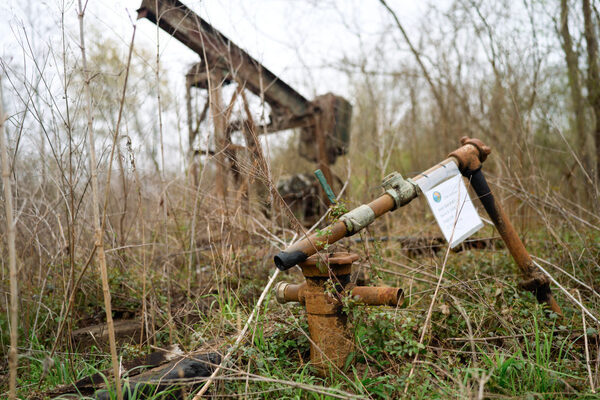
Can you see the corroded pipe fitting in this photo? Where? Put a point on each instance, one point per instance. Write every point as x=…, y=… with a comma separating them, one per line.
x=331, y=340
x=377, y=296
x=288, y=292
x=471, y=154
x=366, y=295
x=400, y=189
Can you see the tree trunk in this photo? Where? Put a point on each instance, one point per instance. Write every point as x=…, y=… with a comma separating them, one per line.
x=593, y=79
x=12, y=259
x=574, y=83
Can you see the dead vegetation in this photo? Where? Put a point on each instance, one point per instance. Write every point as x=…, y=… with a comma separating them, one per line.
x=106, y=207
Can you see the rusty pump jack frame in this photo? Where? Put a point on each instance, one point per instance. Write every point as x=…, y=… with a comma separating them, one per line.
x=324, y=121
x=331, y=340
x=399, y=192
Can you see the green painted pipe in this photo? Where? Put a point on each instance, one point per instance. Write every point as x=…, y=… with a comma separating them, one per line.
x=325, y=186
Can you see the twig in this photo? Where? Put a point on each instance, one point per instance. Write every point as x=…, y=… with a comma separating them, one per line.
x=239, y=338
x=459, y=208
x=588, y=287
x=587, y=350
x=569, y=295
x=96, y=208
x=12, y=258
x=428, y=318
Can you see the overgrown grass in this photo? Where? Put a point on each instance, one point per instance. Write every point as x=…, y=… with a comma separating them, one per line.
x=486, y=336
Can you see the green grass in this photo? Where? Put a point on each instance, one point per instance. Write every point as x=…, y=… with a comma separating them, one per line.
x=520, y=350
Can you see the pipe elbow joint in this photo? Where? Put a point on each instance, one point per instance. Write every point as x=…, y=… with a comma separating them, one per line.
x=471, y=154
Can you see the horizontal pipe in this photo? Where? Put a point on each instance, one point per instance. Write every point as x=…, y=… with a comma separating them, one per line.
x=378, y=296
x=305, y=248
x=367, y=295
x=288, y=292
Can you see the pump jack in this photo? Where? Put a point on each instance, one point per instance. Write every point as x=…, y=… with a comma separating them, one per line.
x=324, y=122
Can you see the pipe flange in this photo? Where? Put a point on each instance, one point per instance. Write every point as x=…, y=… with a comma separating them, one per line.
x=280, y=292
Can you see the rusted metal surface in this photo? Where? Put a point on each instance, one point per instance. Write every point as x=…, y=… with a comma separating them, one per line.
x=381, y=205
x=331, y=340
x=378, y=296
x=217, y=111
x=340, y=262
x=367, y=295
x=471, y=154
x=305, y=248
x=324, y=121
x=315, y=242
x=290, y=292
x=470, y=158
x=331, y=116
x=221, y=53
x=535, y=280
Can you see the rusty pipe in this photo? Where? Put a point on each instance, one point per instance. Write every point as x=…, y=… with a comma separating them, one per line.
x=301, y=250
x=471, y=154
x=290, y=292
x=470, y=167
x=378, y=296
x=331, y=340
x=317, y=241
x=366, y=295
x=535, y=280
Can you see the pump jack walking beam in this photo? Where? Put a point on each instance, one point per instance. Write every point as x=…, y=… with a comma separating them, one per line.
x=399, y=192
x=186, y=26
x=324, y=120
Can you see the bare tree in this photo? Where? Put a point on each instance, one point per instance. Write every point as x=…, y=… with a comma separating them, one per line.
x=593, y=77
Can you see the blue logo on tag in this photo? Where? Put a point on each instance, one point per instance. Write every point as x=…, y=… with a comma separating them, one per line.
x=437, y=197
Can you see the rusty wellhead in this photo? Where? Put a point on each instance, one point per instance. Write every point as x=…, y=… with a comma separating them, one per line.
x=327, y=281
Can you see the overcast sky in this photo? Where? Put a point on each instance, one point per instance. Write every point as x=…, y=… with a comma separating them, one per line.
x=295, y=39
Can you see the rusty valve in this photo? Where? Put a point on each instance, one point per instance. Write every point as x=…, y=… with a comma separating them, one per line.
x=331, y=340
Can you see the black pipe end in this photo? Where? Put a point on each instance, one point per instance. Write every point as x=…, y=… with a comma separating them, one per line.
x=543, y=293
x=286, y=260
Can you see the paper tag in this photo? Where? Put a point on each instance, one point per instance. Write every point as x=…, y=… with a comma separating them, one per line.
x=454, y=210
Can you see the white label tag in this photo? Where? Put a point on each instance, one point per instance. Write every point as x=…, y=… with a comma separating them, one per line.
x=454, y=210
